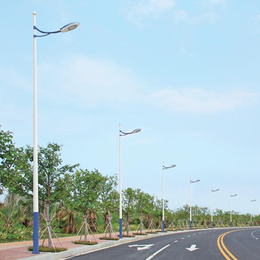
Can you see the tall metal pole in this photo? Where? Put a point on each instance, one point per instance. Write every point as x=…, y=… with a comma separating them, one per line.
x=35, y=147
x=230, y=211
x=251, y=214
x=190, y=206
x=120, y=187
x=211, y=210
x=212, y=205
x=162, y=200
x=231, y=196
x=251, y=217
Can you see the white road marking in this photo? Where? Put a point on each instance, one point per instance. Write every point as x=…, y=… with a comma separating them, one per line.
x=182, y=238
x=175, y=241
x=157, y=252
x=142, y=247
x=194, y=234
x=188, y=236
x=192, y=248
x=256, y=238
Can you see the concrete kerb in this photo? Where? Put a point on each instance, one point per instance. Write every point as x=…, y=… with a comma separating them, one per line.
x=89, y=249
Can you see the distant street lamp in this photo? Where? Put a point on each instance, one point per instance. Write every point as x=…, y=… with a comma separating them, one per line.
x=66, y=28
x=191, y=182
x=251, y=221
x=164, y=168
x=231, y=196
x=212, y=205
x=121, y=133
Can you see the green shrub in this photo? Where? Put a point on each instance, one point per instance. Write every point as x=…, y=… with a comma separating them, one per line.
x=85, y=243
x=47, y=249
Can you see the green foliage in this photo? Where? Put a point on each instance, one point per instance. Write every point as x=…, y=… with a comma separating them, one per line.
x=72, y=193
x=13, y=162
x=8, y=234
x=86, y=189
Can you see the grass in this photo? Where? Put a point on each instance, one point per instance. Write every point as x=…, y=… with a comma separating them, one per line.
x=65, y=235
x=47, y=249
x=108, y=238
x=128, y=236
x=85, y=243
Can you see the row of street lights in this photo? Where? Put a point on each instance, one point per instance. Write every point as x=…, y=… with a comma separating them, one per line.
x=67, y=28
x=121, y=133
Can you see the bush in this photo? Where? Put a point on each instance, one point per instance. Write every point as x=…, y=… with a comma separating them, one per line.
x=85, y=243
x=8, y=234
x=47, y=249
x=108, y=238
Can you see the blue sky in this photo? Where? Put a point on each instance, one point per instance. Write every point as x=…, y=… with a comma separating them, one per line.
x=186, y=72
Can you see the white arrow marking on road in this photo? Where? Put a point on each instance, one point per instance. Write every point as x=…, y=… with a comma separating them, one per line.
x=142, y=247
x=192, y=248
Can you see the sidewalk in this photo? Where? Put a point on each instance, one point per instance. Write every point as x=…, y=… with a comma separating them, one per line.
x=18, y=250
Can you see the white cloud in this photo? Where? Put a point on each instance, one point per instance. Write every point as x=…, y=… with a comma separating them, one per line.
x=89, y=82
x=196, y=100
x=183, y=16
x=137, y=10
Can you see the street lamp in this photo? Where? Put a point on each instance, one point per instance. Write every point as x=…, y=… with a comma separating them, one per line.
x=251, y=222
x=66, y=28
x=164, y=168
x=121, y=133
x=212, y=206
x=191, y=182
x=231, y=196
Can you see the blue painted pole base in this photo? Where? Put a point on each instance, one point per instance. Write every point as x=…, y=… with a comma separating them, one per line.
x=190, y=225
x=35, y=233
x=251, y=224
x=120, y=228
x=231, y=224
x=211, y=224
x=163, y=226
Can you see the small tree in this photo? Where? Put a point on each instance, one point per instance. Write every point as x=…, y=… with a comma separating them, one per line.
x=129, y=202
x=50, y=170
x=12, y=162
x=109, y=201
x=86, y=190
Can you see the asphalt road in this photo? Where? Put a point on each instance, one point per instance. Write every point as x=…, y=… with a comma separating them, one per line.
x=235, y=243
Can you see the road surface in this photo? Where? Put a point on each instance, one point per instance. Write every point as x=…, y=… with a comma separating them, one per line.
x=235, y=243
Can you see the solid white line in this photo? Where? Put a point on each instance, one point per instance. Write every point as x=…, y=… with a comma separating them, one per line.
x=150, y=257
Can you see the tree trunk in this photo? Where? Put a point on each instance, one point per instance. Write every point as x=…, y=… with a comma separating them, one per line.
x=127, y=224
x=86, y=227
x=50, y=242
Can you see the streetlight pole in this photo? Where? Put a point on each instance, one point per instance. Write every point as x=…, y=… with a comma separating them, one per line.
x=231, y=196
x=66, y=28
x=212, y=205
x=251, y=217
x=164, y=168
x=121, y=133
x=191, y=182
